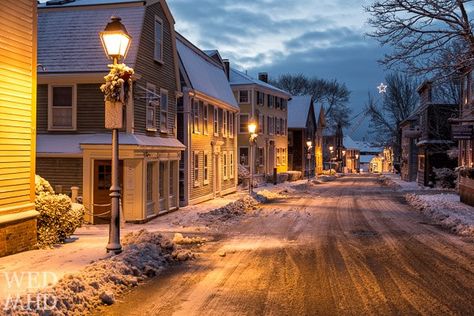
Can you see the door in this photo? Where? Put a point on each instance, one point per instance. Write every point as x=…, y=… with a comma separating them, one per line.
x=102, y=183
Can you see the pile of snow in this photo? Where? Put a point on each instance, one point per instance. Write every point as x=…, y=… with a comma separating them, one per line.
x=446, y=210
x=144, y=256
x=243, y=172
x=231, y=210
x=265, y=195
x=179, y=239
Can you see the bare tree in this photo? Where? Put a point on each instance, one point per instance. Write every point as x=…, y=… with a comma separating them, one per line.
x=432, y=37
x=331, y=94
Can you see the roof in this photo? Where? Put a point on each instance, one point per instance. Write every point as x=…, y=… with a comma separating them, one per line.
x=71, y=144
x=239, y=78
x=298, y=111
x=204, y=74
x=78, y=3
x=68, y=40
x=362, y=146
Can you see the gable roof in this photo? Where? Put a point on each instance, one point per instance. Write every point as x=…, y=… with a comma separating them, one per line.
x=298, y=111
x=68, y=38
x=322, y=117
x=239, y=78
x=81, y=3
x=204, y=74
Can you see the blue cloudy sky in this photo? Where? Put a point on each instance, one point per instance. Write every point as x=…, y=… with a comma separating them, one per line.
x=324, y=38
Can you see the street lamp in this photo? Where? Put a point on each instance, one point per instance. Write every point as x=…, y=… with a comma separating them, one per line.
x=309, y=145
x=252, y=126
x=343, y=160
x=331, y=150
x=357, y=163
x=116, y=42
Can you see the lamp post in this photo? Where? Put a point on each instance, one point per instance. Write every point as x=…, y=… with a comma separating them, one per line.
x=357, y=163
x=252, y=126
x=343, y=160
x=309, y=146
x=331, y=150
x=116, y=42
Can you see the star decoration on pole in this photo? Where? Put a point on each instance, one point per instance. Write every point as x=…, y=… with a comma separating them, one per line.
x=382, y=88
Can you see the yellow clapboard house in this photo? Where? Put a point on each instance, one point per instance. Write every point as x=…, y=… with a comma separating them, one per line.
x=17, y=125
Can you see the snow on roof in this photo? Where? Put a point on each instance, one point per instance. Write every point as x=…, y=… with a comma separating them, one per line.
x=68, y=39
x=78, y=3
x=298, y=111
x=71, y=144
x=204, y=74
x=362, y=146
x=240, y=78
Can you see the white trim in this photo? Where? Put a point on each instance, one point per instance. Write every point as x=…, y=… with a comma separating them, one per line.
x=215, y=121
x=225, y=123
x=205, y=119
x=160, y=21
x=225, y=167
x=231, y=164
x=195, y=180
x=205, y=167
x=74, y=107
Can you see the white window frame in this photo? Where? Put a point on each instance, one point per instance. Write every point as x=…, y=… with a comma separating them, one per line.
x=73, y=110
x=150, y=97
x=164, y=92
x=216, y=121
x=231, y=124
x=224, y=165
x=205, y=119
x=271, y=125
x=155, y=57
x=232, y=165
x=261, y=156
x=206, y=163
x=195, y=116
x=240, y=97
x=196, y=168
x=225, y=125
x=248, y=118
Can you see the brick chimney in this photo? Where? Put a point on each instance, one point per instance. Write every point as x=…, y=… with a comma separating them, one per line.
x=226, y=68
x=263, y=76
x=425, y=92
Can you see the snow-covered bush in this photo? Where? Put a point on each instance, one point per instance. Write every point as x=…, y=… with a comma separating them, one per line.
x=445, y=177
x=58, y=218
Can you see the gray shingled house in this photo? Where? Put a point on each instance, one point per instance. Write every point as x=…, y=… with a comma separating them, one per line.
x=301, y=128
x=73, y=147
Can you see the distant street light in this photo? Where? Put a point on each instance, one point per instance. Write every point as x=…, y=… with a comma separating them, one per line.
x=357, y=163
x=116, y=42
x=309, y=145
x=252, y=127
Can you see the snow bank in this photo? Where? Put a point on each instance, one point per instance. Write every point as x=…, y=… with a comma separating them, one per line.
x=446, y=210
x=231, y=210
x=145, y=255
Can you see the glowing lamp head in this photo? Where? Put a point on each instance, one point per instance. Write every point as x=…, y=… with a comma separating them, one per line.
x=309, y=144
x=331, y=148
x=343, y=152
x=115, y=39
x=252, y=127
x=357, y=156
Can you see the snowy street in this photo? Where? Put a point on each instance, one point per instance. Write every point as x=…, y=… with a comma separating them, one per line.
x=351, y=246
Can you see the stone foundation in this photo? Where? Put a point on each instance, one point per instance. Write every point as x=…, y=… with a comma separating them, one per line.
x=17, y=237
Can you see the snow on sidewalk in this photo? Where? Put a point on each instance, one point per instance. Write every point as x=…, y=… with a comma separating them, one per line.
x=446, y=210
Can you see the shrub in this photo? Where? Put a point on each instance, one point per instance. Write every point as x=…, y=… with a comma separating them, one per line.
x=445, y=177
x=58, y=218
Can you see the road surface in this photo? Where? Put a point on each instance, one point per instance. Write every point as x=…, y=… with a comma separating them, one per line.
x=349, y=247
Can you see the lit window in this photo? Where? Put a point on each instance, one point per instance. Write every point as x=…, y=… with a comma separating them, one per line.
x=151, y=107
x=164, y=111
x=196, y=168
x=232, y=170
x=62, y=107
x=158, y=39
x=206, y=168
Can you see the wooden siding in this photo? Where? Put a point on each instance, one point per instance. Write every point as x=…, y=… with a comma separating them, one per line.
x=65, y=172
x=162, y=75
x=17, y=104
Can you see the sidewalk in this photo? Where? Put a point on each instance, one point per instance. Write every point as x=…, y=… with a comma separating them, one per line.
x=36, y=269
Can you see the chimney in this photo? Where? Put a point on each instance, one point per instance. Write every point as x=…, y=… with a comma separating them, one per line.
x=263, y=76
x=424, y=90
x=226, y=68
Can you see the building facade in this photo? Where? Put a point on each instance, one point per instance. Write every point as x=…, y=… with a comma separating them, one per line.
x=17, y=126
x=409, y=131
x=302, y=128
x=207, y=116
x=73, y=144
x=319, y=141
x=267, y=106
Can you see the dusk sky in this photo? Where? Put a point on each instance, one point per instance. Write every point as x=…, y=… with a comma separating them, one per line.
x=324, y=38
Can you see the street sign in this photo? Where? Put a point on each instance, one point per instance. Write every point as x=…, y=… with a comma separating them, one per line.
x=462, y=132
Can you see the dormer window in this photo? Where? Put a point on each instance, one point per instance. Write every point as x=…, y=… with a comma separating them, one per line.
x=158, y=54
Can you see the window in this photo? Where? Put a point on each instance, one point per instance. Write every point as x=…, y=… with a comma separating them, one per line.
x=206, y=168
x=150, y=166
x=225, y=125
x=231, y=124
x=271, y=101
x=216, y=121
x=284, y=104
x=260, y=98
x=244, y=96
x=232, y=167
x=277, y=126
x=224, y=164
x=201, y=116
x=244, y=156
x=163, y=111
x=62, y=107
x=205, y=119
x=162, y=183
x=261, y=124
x=260, y=159
x=277, y=102
x=196, y=168
x=283, y=156
x=151, y=107
x=158, y=39
x=244, y=121
x=282, y=127
x=270, y=125
x=195, y=116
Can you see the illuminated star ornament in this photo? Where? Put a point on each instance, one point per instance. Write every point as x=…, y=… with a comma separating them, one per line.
x=382, y=88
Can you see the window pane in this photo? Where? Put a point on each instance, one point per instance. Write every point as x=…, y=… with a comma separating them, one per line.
x=244, y=120
x=62, y=96
x=62, y=117
x=158, y=40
